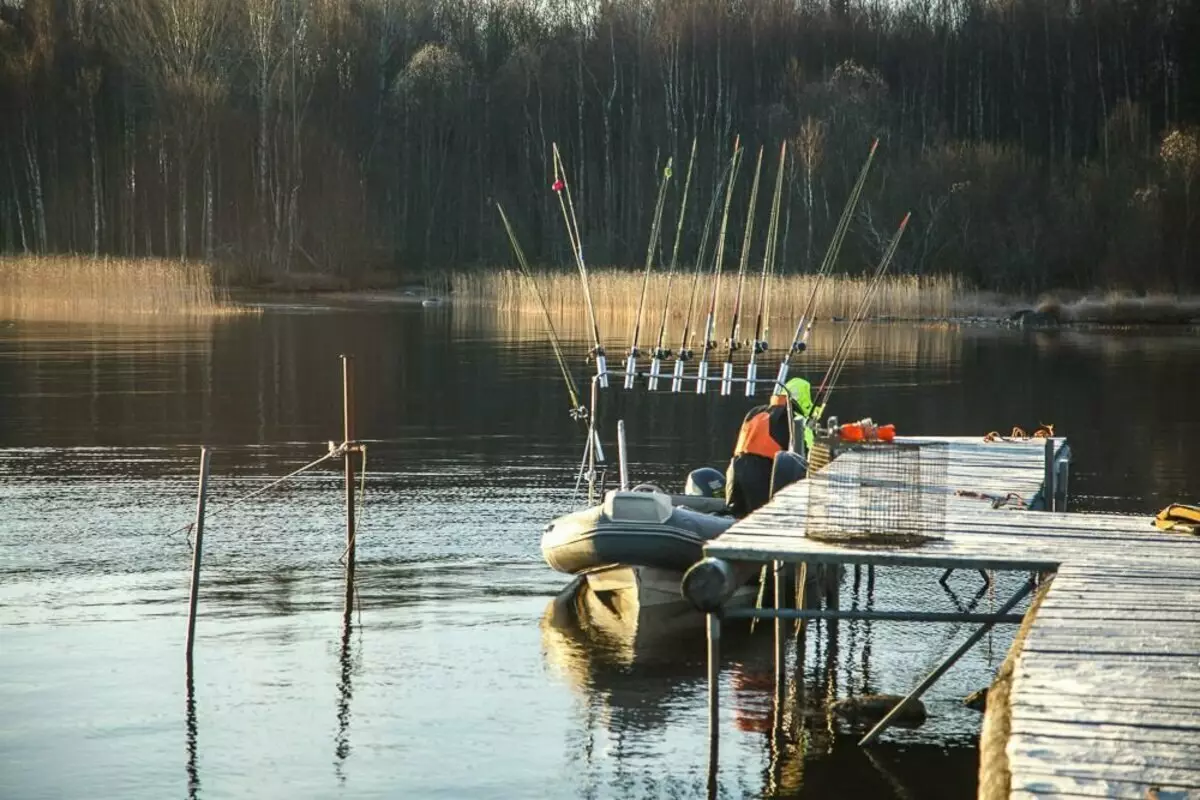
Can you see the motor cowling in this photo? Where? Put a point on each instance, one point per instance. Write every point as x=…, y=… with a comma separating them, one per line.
x=705, y=482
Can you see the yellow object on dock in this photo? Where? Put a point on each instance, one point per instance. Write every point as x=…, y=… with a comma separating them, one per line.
x=1179, y=517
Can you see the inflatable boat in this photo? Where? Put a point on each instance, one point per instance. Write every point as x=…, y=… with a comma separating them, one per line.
x=639, y=542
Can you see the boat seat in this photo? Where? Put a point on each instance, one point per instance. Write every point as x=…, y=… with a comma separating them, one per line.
x=624, y=506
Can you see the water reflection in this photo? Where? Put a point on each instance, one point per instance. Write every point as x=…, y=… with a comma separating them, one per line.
x=471, y=453
x=191, y=737
x=345, y=692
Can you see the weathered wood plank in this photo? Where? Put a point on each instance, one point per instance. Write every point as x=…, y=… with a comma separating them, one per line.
x=1106, y=691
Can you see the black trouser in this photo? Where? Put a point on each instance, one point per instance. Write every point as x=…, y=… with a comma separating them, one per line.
x=747, y=483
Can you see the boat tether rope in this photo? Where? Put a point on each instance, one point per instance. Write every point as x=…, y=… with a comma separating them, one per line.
x=335, y=451
x=998, y=501
x=659, y=352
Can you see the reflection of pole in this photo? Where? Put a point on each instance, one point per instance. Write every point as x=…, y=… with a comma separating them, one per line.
x=342, y=748
x=714, y=696
x=193, y=595
x=348, y=445
x=193, y=783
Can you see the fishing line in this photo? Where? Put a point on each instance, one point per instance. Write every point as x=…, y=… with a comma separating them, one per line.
x=655, y=230
x=659, y=352
x=578, y=411
x=684, y=352
x=832, y=252
x=561, y=188
x=759, y=343
x=743, y=262
x=805, y=323
x=762, y=321
x=711, y=323
x=841, y=356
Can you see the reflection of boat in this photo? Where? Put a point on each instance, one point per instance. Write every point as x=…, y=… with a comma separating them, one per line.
x=631, y=662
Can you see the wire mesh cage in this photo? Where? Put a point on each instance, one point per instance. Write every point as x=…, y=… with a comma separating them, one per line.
x=887, y=494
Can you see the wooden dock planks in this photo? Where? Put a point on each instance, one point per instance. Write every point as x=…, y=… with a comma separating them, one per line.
x=1105, y=699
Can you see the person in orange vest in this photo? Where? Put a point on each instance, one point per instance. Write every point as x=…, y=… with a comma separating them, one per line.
x=765, y=431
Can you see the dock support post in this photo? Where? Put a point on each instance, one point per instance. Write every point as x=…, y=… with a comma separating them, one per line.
x=348, y=444
x=1048, y=490
x=194, y=591
x=932, y=677
x=714, y=696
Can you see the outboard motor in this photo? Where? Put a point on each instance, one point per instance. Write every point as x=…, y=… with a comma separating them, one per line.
x=705, y=482
x=788, y=468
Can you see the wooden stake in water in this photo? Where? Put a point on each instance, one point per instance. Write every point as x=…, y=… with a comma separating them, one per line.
x=348, y=446
x=205, y=456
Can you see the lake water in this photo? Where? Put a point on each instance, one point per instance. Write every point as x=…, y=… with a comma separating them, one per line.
x=453, y=679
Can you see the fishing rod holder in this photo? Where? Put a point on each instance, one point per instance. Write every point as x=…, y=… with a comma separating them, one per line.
x=655, y=372
x=726, y=378
x=601, y=366
x=782, y=375
x=677, y=379
x=751, y=378
x=702, y=378
x=631, y=368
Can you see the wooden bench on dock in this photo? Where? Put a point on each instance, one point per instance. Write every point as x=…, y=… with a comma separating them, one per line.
x=1105, y=693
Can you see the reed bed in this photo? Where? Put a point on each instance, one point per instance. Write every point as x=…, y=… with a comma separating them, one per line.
x=83, y=289
x=503, y=305
x=510, y=299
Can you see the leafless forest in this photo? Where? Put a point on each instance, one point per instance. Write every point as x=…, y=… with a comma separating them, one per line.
x=1039, y=143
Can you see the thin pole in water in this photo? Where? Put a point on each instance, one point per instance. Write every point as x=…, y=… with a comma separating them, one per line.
x=193, y=596
x=348, y=447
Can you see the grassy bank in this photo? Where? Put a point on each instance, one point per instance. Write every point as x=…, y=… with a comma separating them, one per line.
x=83, y=289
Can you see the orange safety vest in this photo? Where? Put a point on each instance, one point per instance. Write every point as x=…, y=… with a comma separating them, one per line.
x=755, y=437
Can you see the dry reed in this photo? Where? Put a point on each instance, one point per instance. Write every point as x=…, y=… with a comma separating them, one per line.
x=82, y=289
x=509, y=298
x=514, y=318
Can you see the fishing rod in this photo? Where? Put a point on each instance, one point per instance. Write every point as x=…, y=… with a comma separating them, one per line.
x=578, y=410
x=747, y=238
x=711, y=323
x=804, y=326
x=660, y=353
x=685, y=353
x=561, y=188
x=762, y=321
x=842, y=354
x=655, y=229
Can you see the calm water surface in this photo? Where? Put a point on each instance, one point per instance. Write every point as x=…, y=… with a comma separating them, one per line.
x=456, y=677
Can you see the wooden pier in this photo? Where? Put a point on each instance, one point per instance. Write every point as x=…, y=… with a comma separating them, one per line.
x=1105, y=692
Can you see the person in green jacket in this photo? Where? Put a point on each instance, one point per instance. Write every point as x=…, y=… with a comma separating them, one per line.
x=800, y=391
